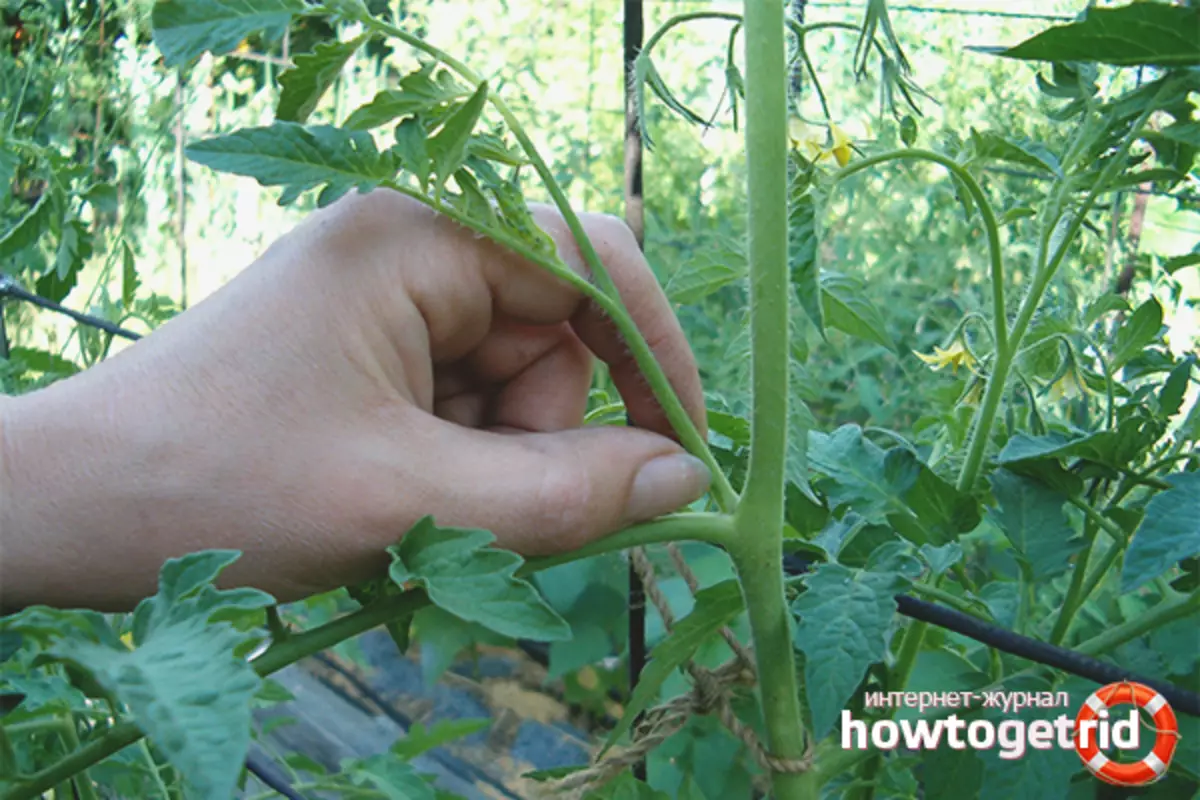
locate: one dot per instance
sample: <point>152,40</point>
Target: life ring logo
<point>1092,729</point>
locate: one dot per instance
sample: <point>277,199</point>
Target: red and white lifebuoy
<point>1154,765</point>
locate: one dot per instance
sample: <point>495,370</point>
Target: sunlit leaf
<point>1154,34</point>
<point>298,157</point>
<point>185,29</point>
<point>303,86</point>
<point>448,147</point>
<point>420,92</point>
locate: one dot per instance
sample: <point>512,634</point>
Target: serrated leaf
<point>420,92</point>
<point>474,582</point>
<point>843,618</point>
<point>1170,397</point>
<point>1154,34</point>
<point>715,607</point>
<point>202,724</point>
<point>859,472</point>
<point>1169,533</point>
<point>303,86</point>
<point>626,787</point>
<point>695,281</point>
<point>1138,331</point>
<point>297,156</point>
<point>846,306</point>
<point>1032,517</point>
<point>186,29</point>
<point>418,740</point>
<point>803,250</point>
<point>989,146</point>
<point>448,147</point>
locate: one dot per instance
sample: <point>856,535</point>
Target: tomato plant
<point>1051,488</point>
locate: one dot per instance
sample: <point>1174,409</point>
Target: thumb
<point>544,493</point>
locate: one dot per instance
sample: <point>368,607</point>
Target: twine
<point>710,694</point>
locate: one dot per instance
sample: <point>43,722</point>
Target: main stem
<point>758,522</point>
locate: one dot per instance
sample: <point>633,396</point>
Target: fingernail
<point>664,484</point>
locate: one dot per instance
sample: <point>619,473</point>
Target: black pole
<point>633,27</point>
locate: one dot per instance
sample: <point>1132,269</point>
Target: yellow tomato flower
<point>1067,386</point>
<point>803,136</point>
<point>954,356</point>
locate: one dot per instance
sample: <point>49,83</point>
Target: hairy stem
<point>756,548</point>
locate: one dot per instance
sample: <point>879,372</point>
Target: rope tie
<point>711,692</point>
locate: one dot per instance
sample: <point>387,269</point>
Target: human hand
<point>377,364</point>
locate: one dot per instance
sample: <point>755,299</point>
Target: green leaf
<point>1032,518</point>
<point>298,157</point>
<point>185,29</point>
<point>988,146</point>
<point>843,620</point>
<point>1102,305</point>
<point>1173,265</point>
<point>941,509</point>
<point>411,149</point>
<point>696,280</point>
<point>715,607</point>
<point>420,92</point>
<point>1170,397</point>
<point>303,86</point>
<point>1162,175</point>
<point>394,779</point>
<point>1037,775</point>
<point>804,246</point>
<point>1168,534</point>
<point>1112,448</point>
<point>846,306</point>
<point>1184,132</point>
<point>1138,331</point>
<point>130,282</point>
<point>474,582</point>
<point>1154,34</point>
<point>418,740</point>
<point>859,472</point>
<point>34,360</point>
<point>202,724</point>
<point>448,147</point>
<point>27,230</point>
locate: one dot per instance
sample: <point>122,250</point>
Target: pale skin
<point>377,364</point>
